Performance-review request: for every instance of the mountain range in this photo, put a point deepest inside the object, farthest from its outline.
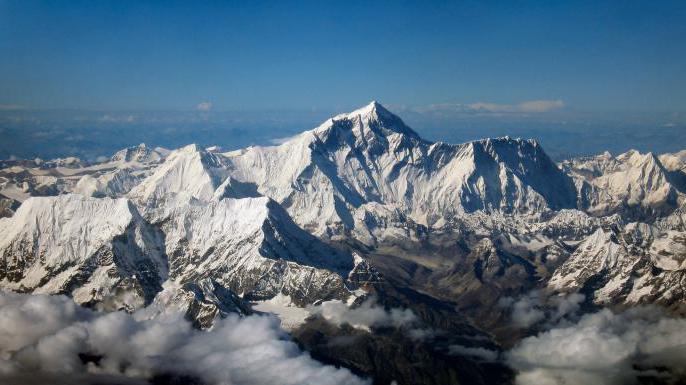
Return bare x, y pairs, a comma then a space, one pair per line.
359, 209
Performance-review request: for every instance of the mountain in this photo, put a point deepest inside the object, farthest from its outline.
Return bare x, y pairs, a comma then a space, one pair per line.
99, 251
630, 265
114, 177
187, 174
140, 154
329, 176
632, 183
252, 247
358, 214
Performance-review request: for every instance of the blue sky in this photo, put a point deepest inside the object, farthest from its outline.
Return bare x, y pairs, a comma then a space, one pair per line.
87, 78
595, 55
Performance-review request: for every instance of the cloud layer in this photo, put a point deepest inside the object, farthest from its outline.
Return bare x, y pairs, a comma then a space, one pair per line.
526, 107
204, 106
534, 307
47, 337
365, 316
604, 348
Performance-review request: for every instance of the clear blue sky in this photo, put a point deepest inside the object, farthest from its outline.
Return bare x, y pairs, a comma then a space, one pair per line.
595, 55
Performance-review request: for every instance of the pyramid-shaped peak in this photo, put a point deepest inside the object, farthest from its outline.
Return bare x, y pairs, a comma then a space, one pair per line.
374, 108
191, 148
373, 116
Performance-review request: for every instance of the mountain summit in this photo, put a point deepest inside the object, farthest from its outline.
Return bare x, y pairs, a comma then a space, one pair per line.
358, 163
370, 119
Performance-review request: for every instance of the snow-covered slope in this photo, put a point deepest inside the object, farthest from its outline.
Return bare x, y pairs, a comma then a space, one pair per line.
466, 220
252, 247
188, 174
370, 156
113, 177
631, 183
99, 251
634, 264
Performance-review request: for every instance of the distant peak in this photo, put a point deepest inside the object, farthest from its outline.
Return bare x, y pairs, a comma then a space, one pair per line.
372, 114
374, 105
191, 148
506, 140
372, 108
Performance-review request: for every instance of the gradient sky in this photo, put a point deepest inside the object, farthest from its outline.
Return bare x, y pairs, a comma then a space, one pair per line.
619, 55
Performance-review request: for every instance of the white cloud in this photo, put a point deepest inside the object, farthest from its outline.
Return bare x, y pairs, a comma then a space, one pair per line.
534, 307
365, 316
525, 312
540, 105
109, 118
481, 353
204, 106
42, 337
526, 107
605, 349
11, 107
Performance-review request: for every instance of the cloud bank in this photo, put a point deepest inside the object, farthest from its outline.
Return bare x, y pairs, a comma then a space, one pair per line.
49, 339
534, 307
604, 348
365, 316
526, 107
204, 106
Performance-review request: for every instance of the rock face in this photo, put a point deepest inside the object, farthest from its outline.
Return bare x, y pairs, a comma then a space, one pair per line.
99, 251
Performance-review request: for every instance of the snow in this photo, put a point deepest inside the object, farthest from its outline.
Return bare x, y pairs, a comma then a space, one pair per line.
54, 242
282, 306
245, 218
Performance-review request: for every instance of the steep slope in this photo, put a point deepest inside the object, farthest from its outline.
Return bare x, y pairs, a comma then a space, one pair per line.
7, 206
188, 174
637, 264
369, 156
675, 164
252, 247
99, 251
633, 184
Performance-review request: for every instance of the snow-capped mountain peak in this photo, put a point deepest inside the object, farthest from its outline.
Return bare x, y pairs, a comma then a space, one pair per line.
187, 173
140, 153
366, 122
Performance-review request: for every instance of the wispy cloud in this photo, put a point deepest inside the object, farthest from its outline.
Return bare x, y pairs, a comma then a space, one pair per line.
111, 118
365, 316
204, 106
525, 107
11, 107
282, 140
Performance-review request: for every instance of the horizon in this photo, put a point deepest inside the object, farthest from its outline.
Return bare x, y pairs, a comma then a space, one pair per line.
95, 134
87, 78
